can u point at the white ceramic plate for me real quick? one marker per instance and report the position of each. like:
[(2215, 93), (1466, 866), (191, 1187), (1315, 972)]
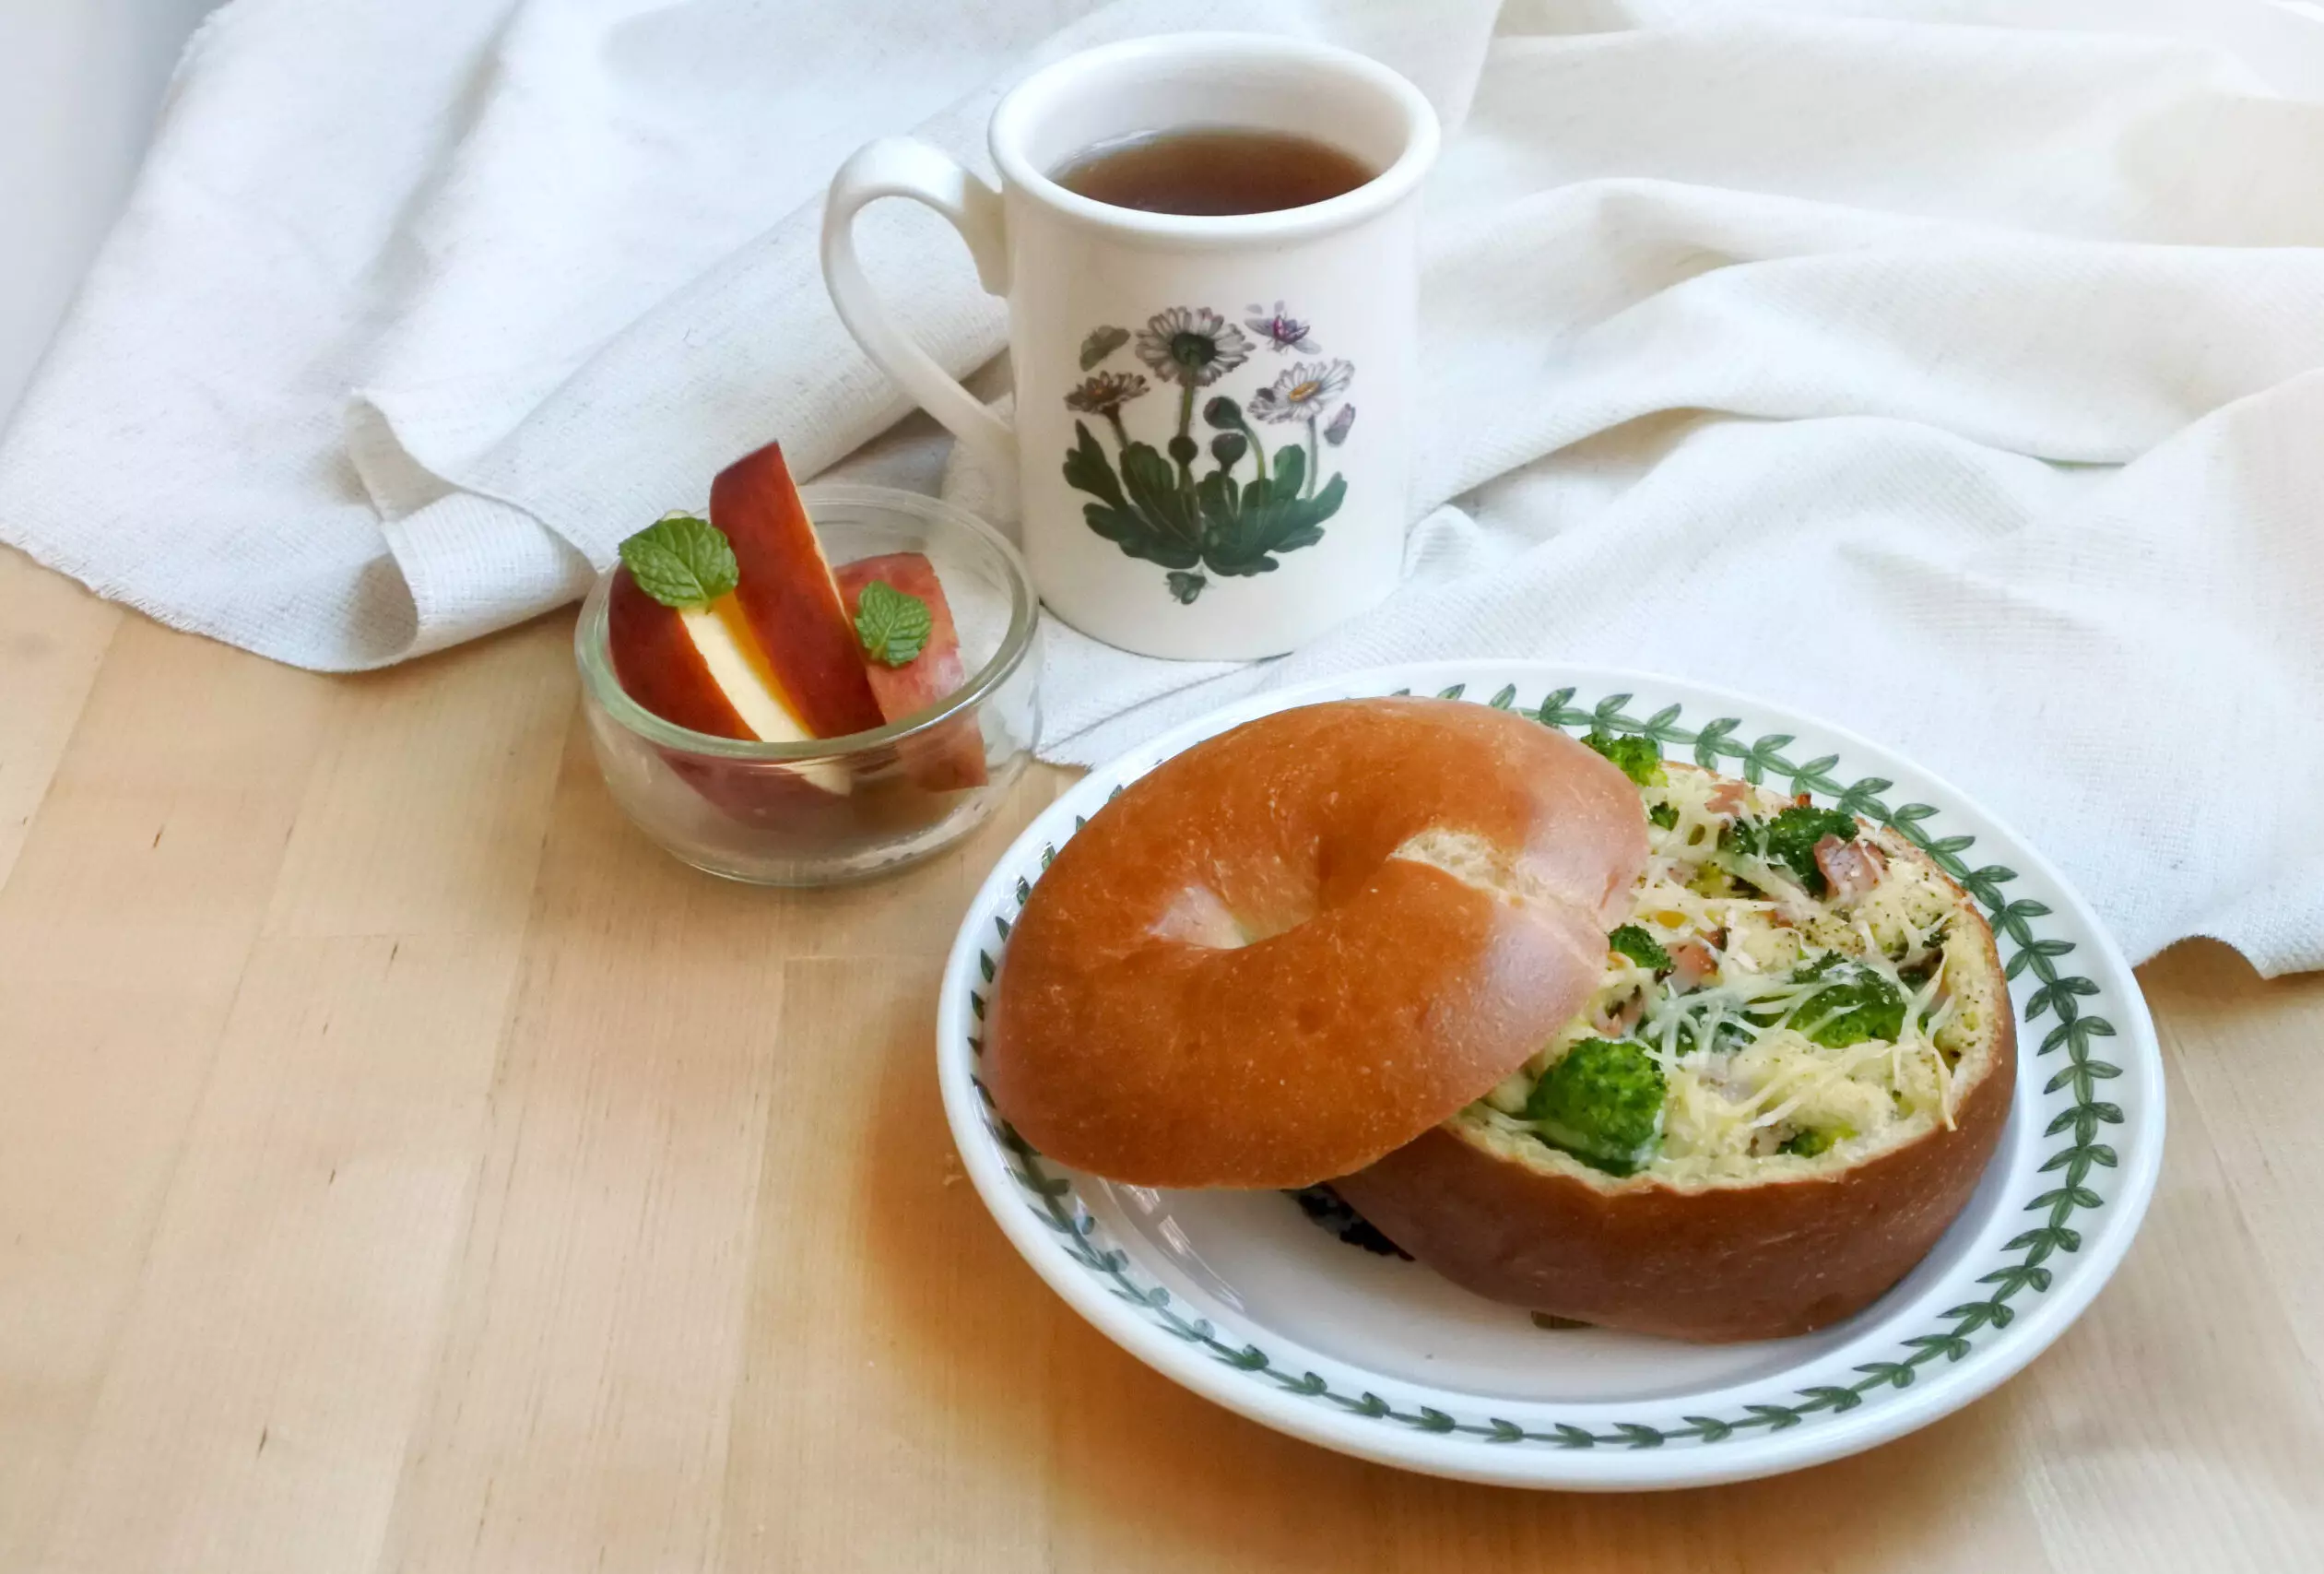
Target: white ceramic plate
[(1241, 1298)]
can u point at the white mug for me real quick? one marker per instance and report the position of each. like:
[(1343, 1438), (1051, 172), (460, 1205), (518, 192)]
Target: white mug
[(1213, 416)]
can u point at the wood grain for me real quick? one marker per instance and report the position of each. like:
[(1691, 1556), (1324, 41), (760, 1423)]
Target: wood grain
[(404, 1167), (124, 928), (52, 636), (344, 1105)]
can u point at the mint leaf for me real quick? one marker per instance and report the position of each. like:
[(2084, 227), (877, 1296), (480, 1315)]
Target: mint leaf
[(892, 626), (682, 562)]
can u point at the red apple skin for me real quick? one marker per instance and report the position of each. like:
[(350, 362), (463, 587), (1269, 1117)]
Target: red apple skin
[(659, 665), (788, 595), (768, 798), (952, 756), (787, 812)]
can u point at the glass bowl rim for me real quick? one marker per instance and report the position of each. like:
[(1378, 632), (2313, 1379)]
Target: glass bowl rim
[(593, 655)]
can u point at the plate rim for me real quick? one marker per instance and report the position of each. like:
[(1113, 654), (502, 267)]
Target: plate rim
[(1607, 1463)]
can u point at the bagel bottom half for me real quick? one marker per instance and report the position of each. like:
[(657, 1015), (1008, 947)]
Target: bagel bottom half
[(1710, 1262)]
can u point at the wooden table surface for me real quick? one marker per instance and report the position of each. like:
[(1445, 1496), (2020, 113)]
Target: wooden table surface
[(403, 1166)]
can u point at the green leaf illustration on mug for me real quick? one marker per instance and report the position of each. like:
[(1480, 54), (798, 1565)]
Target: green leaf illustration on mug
[(1102, 343), (1153, 504)]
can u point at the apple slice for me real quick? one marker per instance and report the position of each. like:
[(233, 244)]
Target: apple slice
[(681, 646), (660, 665), (952, 756), (789, 597)]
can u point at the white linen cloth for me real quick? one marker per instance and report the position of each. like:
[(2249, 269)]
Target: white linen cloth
[(1951, 367)]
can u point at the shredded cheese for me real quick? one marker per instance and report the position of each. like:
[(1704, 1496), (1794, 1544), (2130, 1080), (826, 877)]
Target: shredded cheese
[(1742, 1070)]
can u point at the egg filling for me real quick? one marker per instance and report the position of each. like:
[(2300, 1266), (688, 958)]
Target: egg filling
[(1777, 998)]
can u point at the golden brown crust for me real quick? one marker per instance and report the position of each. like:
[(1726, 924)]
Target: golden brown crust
[(1424, 887), (1712, 1263)]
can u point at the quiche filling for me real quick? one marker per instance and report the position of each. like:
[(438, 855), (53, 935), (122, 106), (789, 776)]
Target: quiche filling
[(1777, 998)]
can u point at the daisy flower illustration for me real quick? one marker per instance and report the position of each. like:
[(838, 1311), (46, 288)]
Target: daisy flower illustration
[(1104, 394), (1192, 345), (1146, 496), (1301, 392), (1280, 328)]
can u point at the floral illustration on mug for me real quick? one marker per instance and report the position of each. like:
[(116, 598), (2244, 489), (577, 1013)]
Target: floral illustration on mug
[(1154, 506), (1280, 330)]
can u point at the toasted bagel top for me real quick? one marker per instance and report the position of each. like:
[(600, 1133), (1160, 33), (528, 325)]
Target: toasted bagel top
[(1302, 943)]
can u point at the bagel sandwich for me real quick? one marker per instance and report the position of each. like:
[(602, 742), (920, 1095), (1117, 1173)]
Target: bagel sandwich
[(1799, 1058), (1613, 1040)]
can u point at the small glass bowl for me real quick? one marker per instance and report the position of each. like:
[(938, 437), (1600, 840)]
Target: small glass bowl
[(770, 813)]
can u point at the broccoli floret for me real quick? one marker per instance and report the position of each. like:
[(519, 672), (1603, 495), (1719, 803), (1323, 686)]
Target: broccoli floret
[(1640, 758), (1602, 1103), (1811, 1142), (1640, 947), (1790, 839), (1665, 815), (1853, 1004)]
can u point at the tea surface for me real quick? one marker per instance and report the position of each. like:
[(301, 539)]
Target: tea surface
[(1212, 170)]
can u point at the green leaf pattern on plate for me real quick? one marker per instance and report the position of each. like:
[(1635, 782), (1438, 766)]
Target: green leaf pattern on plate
[(2058, 994)]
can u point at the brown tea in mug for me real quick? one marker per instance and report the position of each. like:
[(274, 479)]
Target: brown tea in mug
[(1212, 170)]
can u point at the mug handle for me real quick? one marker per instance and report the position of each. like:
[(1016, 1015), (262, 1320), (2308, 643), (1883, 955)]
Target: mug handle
[(902, 166)]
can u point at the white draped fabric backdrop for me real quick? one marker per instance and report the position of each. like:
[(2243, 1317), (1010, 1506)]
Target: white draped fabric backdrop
[(1954, 369)]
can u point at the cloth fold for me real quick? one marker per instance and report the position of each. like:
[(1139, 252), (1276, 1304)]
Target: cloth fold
[(1951, 367)]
